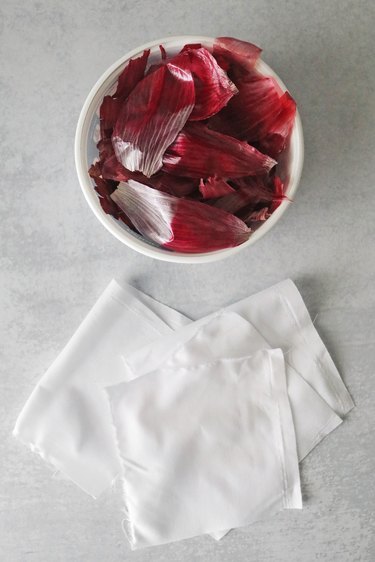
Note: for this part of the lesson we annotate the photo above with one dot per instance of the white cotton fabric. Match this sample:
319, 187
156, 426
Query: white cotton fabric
205, 448
228, 335
67, 418
281, 318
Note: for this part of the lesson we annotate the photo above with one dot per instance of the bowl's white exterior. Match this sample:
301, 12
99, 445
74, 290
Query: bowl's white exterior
125, 235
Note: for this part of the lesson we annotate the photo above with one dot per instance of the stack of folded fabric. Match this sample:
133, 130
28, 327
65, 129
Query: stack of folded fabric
205, 422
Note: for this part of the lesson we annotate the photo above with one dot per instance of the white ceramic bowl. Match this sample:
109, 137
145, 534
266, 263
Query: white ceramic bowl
85, 152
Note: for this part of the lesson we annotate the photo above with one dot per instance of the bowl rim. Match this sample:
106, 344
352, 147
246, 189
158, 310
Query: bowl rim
137, 244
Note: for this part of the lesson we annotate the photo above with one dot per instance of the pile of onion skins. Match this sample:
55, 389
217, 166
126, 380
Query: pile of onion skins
189, 146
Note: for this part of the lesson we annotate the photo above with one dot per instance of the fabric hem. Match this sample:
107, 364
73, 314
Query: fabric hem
290, 293
333, 422
286, 438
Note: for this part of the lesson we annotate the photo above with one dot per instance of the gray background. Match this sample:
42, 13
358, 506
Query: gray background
56, 258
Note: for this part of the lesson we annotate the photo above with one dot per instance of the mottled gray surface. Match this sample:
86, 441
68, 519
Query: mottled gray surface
56, 258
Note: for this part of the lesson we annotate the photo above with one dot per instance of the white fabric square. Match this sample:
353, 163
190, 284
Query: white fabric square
205, 448
281, 318
228, 335
67, 418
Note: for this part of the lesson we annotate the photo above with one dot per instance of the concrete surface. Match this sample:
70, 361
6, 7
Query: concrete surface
56, 258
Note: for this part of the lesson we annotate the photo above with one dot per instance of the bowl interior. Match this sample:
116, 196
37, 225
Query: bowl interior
289, 166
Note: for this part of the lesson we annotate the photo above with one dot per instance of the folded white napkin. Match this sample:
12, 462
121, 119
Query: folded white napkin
67, 418
205, 447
